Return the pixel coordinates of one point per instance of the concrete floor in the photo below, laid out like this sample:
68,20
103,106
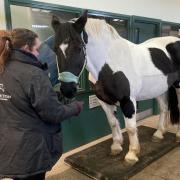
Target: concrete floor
165,168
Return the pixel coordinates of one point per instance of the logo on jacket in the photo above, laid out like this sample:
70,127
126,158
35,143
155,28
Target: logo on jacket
2,87
3,96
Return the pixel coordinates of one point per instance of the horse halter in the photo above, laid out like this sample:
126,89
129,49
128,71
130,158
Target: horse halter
68,76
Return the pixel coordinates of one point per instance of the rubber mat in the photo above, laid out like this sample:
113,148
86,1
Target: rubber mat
97,162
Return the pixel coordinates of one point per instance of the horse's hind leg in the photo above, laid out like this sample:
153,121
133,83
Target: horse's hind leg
163,118
178,131
134,146
178,134
114,124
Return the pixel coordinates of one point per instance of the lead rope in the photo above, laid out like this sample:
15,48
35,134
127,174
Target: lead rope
57,64
85,62
84,50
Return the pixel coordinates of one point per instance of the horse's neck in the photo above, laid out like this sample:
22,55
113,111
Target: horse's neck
96,56
98,52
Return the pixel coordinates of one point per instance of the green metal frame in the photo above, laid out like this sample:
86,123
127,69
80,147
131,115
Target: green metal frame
171,23
7,14
35,4
54,7
139,19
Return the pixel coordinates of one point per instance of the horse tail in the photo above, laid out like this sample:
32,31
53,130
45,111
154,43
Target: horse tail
173,49
173,105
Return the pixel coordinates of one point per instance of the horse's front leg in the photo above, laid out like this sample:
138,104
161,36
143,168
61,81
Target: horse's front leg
128,107
116,147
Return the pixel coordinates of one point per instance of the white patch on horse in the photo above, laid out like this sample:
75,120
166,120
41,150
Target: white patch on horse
63,48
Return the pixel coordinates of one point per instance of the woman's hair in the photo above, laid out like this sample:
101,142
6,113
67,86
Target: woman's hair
22,37
5,48
16,39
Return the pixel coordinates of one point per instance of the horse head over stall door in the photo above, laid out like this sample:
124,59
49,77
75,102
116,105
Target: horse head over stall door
122,72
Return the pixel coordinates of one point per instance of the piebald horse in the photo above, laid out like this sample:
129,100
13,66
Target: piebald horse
122,72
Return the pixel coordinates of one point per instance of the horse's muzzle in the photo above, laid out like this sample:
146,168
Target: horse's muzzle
68,90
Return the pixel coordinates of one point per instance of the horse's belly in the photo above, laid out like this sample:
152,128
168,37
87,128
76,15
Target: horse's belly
152,86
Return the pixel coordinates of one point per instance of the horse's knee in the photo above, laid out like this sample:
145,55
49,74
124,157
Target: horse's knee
131,130
163,108
113,124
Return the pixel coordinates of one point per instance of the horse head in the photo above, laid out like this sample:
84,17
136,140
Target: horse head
69,46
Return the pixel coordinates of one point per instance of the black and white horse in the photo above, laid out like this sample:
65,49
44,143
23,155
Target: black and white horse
121,71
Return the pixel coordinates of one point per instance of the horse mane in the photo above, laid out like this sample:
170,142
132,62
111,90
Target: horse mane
98,27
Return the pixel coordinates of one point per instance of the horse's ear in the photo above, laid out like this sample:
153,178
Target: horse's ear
81,21
55,23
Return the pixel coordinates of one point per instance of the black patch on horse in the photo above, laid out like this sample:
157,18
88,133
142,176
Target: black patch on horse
176,84
127,107
174,51
169,67
99,91
113,87
161,61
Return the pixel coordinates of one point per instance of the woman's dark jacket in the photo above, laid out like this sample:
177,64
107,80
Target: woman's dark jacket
30,118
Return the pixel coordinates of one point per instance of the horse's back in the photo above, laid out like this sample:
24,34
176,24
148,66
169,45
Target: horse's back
160,43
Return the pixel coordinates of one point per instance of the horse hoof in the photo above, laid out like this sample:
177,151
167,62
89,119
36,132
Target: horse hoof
115,152
156,139
130,162
131,159
116,149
